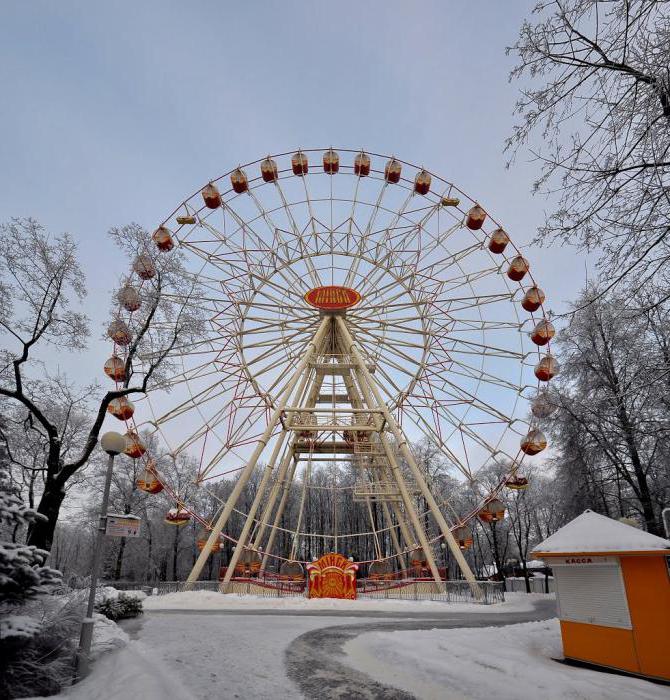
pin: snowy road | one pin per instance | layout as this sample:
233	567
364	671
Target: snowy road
228	654
318	664
280	653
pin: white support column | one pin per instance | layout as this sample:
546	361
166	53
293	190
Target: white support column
416	472
394	535
274	492
301	508
241	542
251	464
409	507
278	515
395	469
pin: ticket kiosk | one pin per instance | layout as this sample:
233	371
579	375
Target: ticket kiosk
613	593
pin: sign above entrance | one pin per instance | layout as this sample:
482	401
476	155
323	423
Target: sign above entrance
332	298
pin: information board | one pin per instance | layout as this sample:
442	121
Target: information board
120	525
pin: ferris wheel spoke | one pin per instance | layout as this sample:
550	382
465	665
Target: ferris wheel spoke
440	238
210	393
436	269
460	369
429	432
386	351
313	273
466	346
266	251
386	239
276	235
463	428
457	304
274	347
356	259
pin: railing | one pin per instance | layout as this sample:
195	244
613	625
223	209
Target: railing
358	420
256	587
537	584
376	491
451	591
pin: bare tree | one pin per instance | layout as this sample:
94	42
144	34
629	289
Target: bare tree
610	426
601	118
41	283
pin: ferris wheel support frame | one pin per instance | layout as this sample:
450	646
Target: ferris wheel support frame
363	395
251	464
406	452
394	535
248	523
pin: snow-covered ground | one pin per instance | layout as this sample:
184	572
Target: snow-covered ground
210	600
196	657
186	655
506	663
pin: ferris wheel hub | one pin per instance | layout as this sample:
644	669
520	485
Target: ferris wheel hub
332	298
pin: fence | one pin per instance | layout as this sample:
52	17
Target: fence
537	584
454	591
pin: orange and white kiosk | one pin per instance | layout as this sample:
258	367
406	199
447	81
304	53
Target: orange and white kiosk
613	593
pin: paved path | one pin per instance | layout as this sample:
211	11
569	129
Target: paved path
287	653
315	659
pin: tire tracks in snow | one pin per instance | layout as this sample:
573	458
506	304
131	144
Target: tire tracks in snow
316	661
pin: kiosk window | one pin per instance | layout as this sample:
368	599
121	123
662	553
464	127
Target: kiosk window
592	594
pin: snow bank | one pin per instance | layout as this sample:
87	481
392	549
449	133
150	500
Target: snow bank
107	636
212	600
130	672
506	663
111	593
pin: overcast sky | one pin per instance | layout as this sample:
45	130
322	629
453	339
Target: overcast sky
115	112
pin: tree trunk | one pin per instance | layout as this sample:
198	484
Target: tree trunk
119	559
496	554
175	553
525	574
150	570
41	533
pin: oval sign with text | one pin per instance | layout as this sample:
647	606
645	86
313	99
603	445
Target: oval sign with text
332	298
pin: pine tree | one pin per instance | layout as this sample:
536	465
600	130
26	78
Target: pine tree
23	575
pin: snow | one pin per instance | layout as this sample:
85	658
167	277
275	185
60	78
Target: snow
591	532
128	673
111	593
19	626
107	635
230	656
200	657
212	600
515	662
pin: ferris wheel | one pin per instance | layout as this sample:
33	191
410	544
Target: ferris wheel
354	304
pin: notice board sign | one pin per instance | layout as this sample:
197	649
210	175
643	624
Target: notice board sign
121	525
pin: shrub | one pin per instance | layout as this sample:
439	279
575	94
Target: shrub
120	607
37	631
39	662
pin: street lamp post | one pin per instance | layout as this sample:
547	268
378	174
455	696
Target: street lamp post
443	545
113	444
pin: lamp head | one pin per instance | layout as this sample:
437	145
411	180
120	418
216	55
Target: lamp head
113	443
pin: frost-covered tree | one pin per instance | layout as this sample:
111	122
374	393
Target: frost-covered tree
41	287
595	112
612	424
23	575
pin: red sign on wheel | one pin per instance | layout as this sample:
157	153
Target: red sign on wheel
332	298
